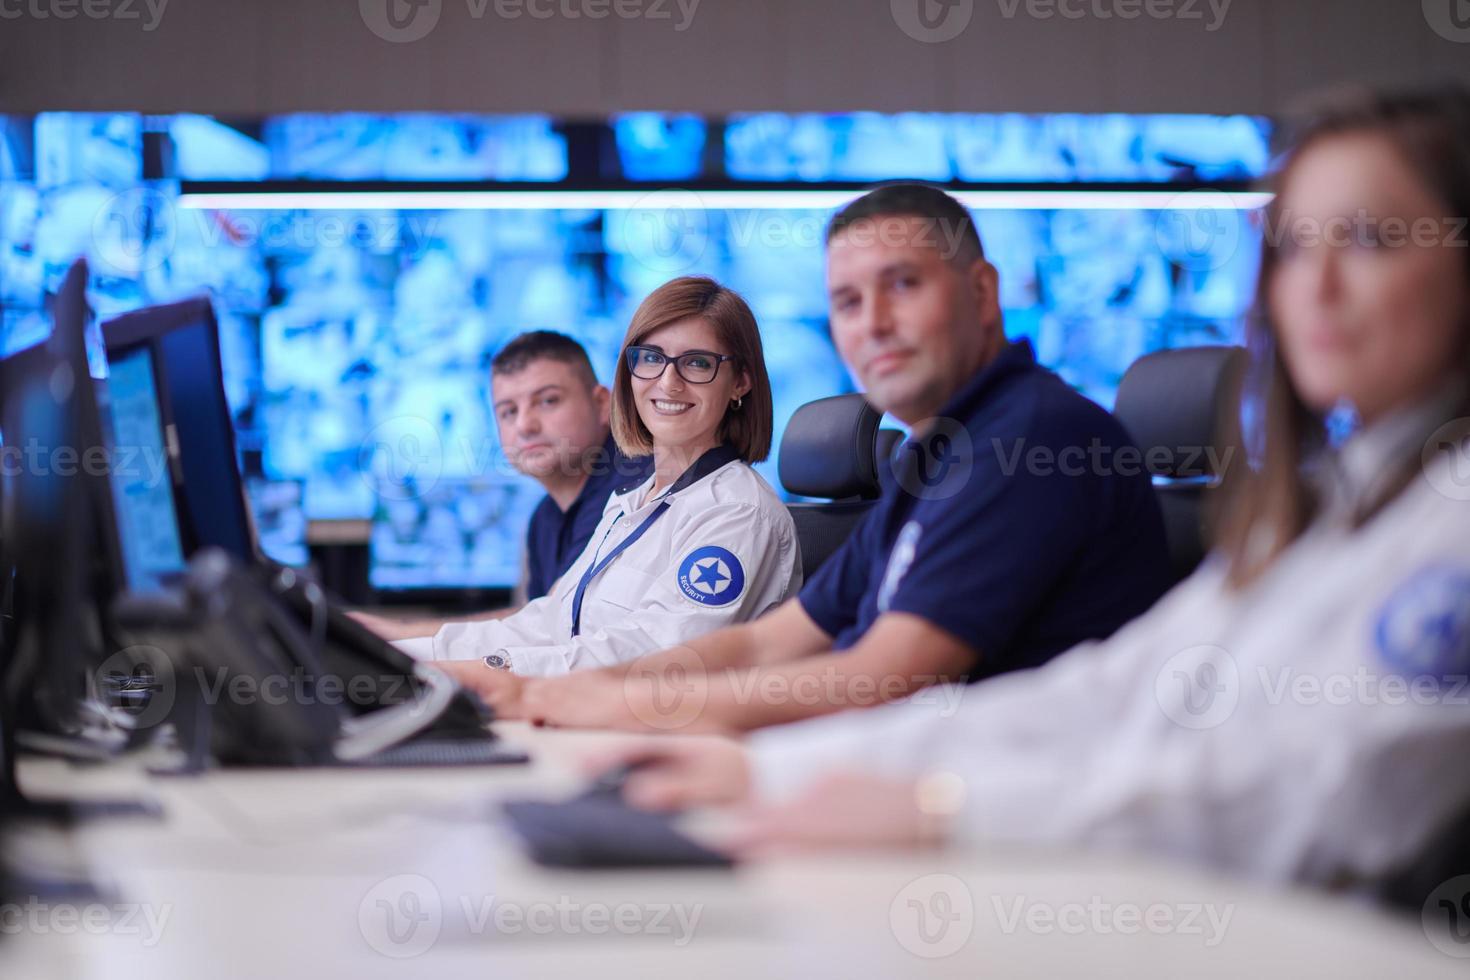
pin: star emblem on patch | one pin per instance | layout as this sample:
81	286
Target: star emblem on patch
711	576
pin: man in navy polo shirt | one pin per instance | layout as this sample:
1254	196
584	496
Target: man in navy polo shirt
1008	530
552	416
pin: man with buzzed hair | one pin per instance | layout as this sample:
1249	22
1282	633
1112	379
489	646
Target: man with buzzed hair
974	561
552	416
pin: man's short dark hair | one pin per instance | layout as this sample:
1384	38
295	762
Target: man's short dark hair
537	345
950	227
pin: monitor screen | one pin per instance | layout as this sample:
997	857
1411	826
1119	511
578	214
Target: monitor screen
215	494
183	341
143	495
58	519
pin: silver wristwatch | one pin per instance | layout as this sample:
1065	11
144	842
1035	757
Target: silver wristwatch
499	660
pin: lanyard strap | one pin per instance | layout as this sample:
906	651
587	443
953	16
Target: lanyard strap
594	569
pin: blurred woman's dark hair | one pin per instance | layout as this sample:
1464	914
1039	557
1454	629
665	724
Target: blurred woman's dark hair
1267	508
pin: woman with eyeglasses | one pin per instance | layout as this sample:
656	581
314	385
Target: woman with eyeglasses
703	543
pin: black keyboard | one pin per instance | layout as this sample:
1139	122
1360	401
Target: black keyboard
431	752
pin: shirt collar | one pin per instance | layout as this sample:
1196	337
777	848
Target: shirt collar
1373	456
1015	356
708	462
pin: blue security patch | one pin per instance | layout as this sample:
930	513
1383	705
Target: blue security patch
1424	627
711	576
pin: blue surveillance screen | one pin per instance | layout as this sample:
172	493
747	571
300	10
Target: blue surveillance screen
147	520
356	329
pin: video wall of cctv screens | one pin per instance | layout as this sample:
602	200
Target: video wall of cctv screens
356	339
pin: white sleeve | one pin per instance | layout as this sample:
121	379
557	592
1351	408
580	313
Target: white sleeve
1351	793
728	564
1345	778
532	623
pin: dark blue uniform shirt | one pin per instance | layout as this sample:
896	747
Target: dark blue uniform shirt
556	537
1022	523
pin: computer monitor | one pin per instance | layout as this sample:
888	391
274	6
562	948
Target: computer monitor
182	345
142	485
59	537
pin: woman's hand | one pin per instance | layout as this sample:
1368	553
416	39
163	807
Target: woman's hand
673	773
584	699
841	810
501	690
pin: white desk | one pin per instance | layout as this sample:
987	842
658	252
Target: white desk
281	875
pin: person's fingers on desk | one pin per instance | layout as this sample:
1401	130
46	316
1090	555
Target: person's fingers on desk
629	751
841	810
465	672
673	756
541	700
705	772
588	699
499	689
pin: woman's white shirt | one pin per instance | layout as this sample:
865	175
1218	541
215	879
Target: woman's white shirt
1311	726
723	552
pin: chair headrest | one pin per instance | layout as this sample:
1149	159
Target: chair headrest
827	450
1173	404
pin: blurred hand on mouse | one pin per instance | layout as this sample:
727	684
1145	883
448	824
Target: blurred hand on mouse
840	810
845	810
676	772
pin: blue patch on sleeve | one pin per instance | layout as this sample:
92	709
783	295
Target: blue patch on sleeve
1424	627
711	576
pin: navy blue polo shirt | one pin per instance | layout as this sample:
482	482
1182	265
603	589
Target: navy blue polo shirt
556	537
1023	523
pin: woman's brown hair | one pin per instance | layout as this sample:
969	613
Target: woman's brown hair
1266	509
747	428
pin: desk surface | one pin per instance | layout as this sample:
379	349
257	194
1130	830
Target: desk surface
364	874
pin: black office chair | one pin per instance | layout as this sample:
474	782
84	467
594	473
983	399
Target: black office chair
1181	407
829	451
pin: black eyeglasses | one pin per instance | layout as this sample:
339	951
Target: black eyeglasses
698	367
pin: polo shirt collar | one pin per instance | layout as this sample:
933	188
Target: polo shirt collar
594	479
1017	355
